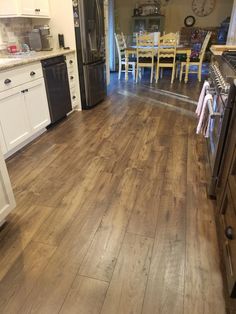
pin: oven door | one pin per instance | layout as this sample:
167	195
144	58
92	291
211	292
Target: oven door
216	140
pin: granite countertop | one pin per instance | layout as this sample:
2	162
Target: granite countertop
216	52
11	62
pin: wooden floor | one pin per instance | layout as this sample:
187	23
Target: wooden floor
112	215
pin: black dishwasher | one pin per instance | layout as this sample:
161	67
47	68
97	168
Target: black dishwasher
57	87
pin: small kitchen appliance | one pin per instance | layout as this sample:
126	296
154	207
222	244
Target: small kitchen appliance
40	38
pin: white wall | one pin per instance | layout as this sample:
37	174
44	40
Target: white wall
62	22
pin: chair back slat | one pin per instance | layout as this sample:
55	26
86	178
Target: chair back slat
167	45
120	45
204	46
145	46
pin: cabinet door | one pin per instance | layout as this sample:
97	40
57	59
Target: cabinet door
13	117
7	201
228	238
28	7
42	7
3	146
8	8
37	105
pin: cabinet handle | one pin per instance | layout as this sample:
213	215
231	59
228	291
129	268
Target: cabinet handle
229	233
71	61
37	10
24	91
7	81
32	73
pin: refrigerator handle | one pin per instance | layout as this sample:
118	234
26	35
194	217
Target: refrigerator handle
100	24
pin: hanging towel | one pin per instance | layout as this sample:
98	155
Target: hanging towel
201	98
204	120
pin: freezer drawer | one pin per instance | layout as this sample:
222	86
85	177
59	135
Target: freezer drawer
95	84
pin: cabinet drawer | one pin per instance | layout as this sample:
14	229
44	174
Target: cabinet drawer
70	61
72	80
20	75
228	234
74	97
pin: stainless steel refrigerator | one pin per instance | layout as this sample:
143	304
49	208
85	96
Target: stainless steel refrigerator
90	46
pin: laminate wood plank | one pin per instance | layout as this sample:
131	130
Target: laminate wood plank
85	296
144	216
20	235
102	255
165	287
52	287
203	277
21	277
126	291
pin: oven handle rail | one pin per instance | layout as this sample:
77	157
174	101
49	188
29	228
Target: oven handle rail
213	114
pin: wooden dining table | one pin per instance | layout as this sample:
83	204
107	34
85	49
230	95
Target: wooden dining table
180	50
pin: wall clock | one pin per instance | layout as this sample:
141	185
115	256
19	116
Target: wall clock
189	21
203	7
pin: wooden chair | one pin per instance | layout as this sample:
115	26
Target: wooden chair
166	54
121	45
145	54
196	61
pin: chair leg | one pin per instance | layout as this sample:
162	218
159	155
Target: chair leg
151	75
181	72
173	75
120	68
199	72
137	73
133	70
157	74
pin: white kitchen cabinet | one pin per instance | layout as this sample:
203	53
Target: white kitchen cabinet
7	200
37	106
73	80
24	8
24	111
3	146
13	117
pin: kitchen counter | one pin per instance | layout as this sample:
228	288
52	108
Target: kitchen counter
217	50
11	62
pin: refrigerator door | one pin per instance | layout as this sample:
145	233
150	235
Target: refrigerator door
92	30
95	84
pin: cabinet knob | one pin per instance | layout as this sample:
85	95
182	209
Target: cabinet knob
7	81
72	77
74	97
32	73
229	233
71	61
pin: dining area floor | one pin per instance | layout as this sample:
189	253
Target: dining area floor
112	213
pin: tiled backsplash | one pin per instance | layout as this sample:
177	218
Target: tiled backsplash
14	30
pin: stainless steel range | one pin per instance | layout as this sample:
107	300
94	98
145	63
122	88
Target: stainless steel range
222	75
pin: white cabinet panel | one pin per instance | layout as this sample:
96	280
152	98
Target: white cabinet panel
9	8
43	7
3	146
37	105
28	7
7	201
14	118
